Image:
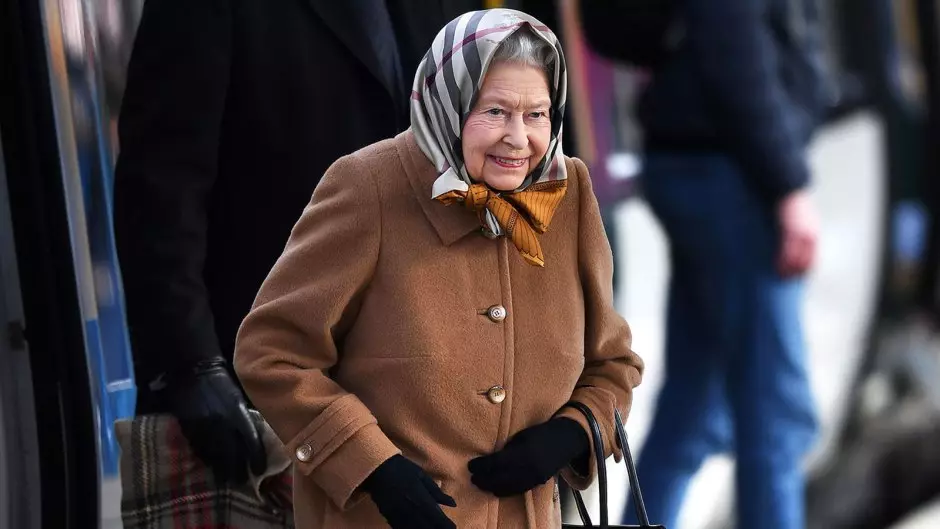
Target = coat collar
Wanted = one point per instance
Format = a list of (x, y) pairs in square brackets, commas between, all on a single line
[(345, 19), (451, 222)]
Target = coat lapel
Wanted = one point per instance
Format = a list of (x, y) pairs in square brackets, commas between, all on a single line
[(451, 223), (345, 19)]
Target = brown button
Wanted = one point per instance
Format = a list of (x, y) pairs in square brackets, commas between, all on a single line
[(304, 452), (496, 313), (496, 394)]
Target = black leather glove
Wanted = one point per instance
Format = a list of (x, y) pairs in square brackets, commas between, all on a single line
[(531, 457), (213, 415), (407, 497)]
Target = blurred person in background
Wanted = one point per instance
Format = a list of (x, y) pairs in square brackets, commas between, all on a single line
[(736, 93), (230, 116)]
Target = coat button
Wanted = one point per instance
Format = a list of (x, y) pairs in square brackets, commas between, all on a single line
[(304, 452), (496, 313), (496, 394)]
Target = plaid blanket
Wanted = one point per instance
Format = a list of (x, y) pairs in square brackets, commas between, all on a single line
[(165, 486)]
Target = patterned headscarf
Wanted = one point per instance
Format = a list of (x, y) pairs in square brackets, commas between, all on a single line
[(445, 89)]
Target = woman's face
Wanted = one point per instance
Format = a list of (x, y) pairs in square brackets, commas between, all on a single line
[(507, 133)]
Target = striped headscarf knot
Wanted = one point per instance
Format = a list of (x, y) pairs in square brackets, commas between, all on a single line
[(534, 207)]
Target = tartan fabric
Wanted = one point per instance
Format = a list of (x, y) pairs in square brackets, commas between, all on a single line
[(166, 487)]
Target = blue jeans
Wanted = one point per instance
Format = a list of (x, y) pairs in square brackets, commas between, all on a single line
[(735, 360)]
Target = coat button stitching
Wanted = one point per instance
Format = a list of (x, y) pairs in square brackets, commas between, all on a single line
[(496, 313), (496, 394), (304, 452)]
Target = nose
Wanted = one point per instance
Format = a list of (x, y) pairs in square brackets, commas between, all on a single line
[(516, 136)]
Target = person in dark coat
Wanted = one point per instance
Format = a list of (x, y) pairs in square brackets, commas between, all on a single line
[(727, 119), (232, 112)]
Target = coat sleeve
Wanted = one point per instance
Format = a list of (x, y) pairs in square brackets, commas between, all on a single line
[(169, 131), (738, 65), (611, 368), (292, 337)]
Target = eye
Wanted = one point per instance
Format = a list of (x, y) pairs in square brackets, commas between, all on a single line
[(495, 112), (538, 115)]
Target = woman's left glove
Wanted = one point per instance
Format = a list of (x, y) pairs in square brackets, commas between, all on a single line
[(531, 457)]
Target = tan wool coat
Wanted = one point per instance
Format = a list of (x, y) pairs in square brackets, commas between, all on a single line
[(391, 325)]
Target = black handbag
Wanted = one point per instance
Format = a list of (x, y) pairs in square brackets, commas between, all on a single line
[(602, 476)]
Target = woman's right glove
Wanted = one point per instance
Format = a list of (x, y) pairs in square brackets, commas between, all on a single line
[(407, 497)]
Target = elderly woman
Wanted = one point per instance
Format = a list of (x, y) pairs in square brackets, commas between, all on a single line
[(442, 297)]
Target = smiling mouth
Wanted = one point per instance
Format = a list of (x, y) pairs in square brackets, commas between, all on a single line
[(509, 163)]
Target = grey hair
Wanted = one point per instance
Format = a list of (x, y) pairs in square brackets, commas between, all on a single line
[(525, 47)]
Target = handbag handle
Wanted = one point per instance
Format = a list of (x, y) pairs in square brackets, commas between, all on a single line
[(602, 469)]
